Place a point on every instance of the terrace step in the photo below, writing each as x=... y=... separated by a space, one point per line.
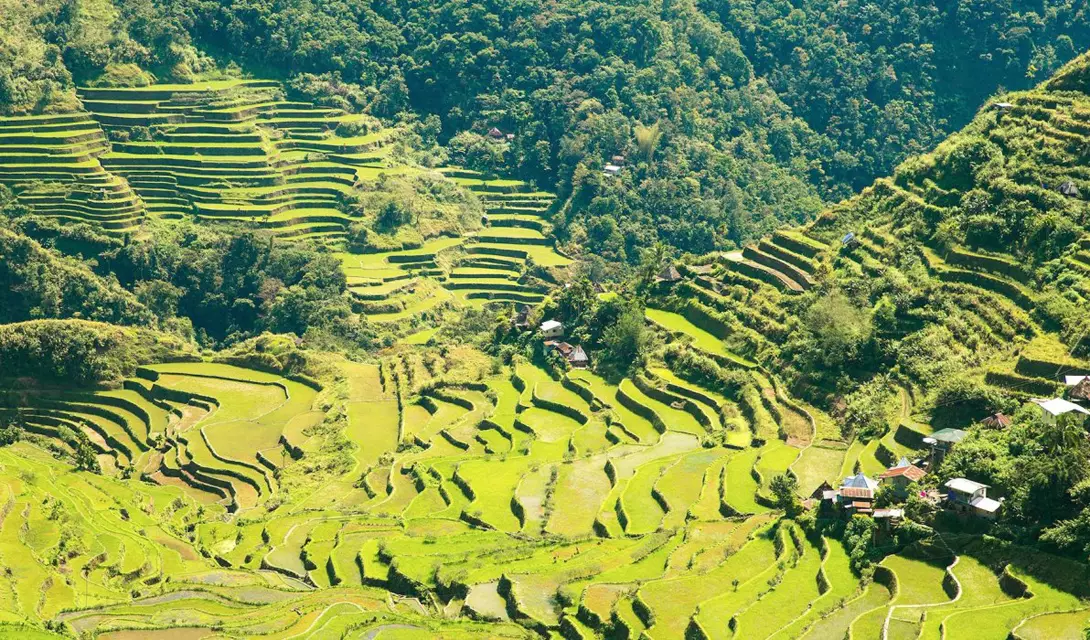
x=762 y=273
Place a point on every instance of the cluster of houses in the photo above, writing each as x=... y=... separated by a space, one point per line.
x=495 y=134
x=962 y=496
x=614 y=166
x=552 y=331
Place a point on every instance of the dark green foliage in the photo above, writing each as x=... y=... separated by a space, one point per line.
x=233 y=286
x=886 y=80
x=785 y=489
x=836 y=335
x=625 y=342
x=38 y=283
x=732 y=116
x=80 y=353
x=960 y=401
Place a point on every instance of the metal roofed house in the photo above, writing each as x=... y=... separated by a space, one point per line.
x=611 y=170
x=1053 y=409
x=856 y=494
x=942 y=441
x=971 y=498
x=899 y=476
x=1074 y=380
x=551 y=329
x=1002 y=106
x=859 y=481
x=996 y=421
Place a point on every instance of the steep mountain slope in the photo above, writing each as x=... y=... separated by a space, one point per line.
x=41 y=283
x=702 y=99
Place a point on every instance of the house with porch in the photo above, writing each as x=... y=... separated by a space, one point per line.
x=968 y=498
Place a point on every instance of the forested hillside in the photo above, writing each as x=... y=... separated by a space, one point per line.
x=740 y=115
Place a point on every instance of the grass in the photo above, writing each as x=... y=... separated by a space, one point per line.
x=580 y=488
x=674 y=601
x=677 y=323
x=1054 y=625
x=739 y=486
x=815 y=465
x=790 y=599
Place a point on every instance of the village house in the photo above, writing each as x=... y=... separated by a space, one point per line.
x=1053 y=409
x=578 y=358
x=617 y=160
x=856 y=494
x=496 y=134
x=551 y=329
x=574 y=354
x=521 y=319
x=966 y=497
x=996 y=421
x=900 y=476
x=941 y=442
x=668 y=275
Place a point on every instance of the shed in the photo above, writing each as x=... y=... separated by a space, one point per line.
x=1068 y=188
x=1080 y=392
x=521 y=320
x=578 y=358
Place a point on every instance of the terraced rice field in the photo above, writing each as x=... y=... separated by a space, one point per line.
x=387 y=501
x=238 y=152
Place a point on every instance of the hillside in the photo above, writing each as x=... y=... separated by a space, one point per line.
x=307 y=351
x=751 y=112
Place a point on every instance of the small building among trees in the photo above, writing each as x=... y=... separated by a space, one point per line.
x=900 y=476
x=551 y=329
x=521 y=319
x=1068 y=189
x=997 y=421
x=966 y=497
x=668 y=275
x=1055 y=408
x=1080 y=392
x=942 y=442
